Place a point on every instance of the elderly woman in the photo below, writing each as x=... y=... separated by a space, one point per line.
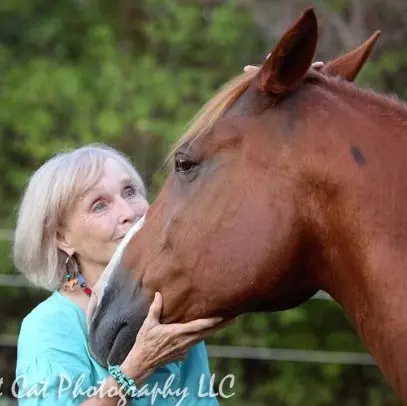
x=76 y=209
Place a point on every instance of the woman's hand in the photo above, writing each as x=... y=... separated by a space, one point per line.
x=250 y=68
x=157 y=344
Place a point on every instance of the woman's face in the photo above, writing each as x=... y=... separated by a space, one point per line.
x=103 y=216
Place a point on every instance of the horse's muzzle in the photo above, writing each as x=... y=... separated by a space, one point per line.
x=116 y=320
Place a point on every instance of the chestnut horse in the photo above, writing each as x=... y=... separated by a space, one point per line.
x=291 y=180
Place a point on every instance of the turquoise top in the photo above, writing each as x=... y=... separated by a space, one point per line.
x=55 y=367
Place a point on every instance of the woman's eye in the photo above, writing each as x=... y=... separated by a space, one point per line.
x=98 y=206
x=129 y=191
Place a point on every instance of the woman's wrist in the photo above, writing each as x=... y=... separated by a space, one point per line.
x=136 y=368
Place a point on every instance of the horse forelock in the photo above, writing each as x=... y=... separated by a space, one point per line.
x=204 y=121
x=214 y=109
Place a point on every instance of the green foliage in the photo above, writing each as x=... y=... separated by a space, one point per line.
x=316 y=325
x=387 y=73
x=70 y=78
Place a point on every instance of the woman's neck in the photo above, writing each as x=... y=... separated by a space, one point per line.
x=77 y=296
x=92 y=272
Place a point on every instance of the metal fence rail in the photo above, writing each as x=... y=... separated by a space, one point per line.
x=263 y=354
x=281 y=354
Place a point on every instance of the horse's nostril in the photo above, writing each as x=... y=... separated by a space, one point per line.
x=117 y=349
x=116 y=320
x=116 y=334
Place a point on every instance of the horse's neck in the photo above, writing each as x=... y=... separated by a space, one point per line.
x=375 y=126
x=375 y=298
x=374 y=292
x=380 y=134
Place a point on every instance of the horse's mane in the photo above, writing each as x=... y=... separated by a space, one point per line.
x=205 y=119
x=386 y=100
x=210 y=113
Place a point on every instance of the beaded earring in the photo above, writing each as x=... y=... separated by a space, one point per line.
x=71 y=275
x=84 y=285
x=74 y=277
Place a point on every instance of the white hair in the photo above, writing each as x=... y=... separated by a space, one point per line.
x=51 y=192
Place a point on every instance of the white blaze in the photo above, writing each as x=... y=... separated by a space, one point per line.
x=99 y=288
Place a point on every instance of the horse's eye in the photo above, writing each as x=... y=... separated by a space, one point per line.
x=184 y=165
x=185 y=168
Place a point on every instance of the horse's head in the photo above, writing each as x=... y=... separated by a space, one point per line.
x=241 y=221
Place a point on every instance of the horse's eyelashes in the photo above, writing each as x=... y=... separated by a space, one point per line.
x=185 y=167
x=183 y=163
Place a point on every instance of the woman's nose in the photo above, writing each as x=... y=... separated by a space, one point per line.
x=127 y=212
x=130 y=212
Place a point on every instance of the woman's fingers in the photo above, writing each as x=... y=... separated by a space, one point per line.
x=250 y=68
x=154 y=311
x=318 y=65
x=197 y=325
x=193 y=338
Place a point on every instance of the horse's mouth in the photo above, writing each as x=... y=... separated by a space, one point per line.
x=120 y=345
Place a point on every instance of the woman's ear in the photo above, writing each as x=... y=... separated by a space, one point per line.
x=63 y=242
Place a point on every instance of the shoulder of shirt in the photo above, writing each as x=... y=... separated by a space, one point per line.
x=53 y=337
x=55 y=319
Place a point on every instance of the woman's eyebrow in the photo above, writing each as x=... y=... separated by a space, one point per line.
x=126 y=181
x=90 y=195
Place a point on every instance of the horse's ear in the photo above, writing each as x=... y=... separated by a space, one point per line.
x=349 y=65
x=289 y=62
